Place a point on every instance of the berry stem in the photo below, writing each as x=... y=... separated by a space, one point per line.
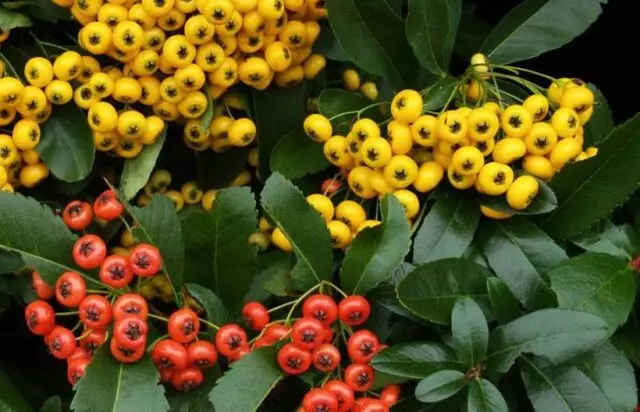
x=284 y=305
x=98 y=292
x=10 y=66
x=451 y=96
x=150 y=347
x=520 y=69
x=84 y=335
x=300 y=299
x=158 y=317
x=66 y=313
x=39 y=43
x=210 y=324
x=337 y=289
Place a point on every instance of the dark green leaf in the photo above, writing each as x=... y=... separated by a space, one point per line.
x=470 y=332
x=10 y=261
x=48 y=251
x=484 y=397
x=219 y=256
x=607 y=238
x=596 y=283
x=207 y=116
x=471 y=31
x=431 y=290
x=544 y=202
x=373 y=36
x=111 y=386
x=11 y=19
x=67 y=144
x=441 y=385
x=196 y=400
x=537 y=26
x=216 y=170
x=136 y=171
x=431 y=30
x=332 y=102
x=447 y=230
x=415 y=360
x=296 y=155
x=47 y=11
x=5 y=302
x=377 y=251
x=303 y=226
x=274 y=264
x=10 y=397
x=53 y=404
x=439 y=93
x=214 y=307
x=629 y=343
x=521 y=254
x=385 y=295
x=504 y=304
x=588 y=191
x=601 y=122
x=158 y=224
x=557 y=334
x=247 y=384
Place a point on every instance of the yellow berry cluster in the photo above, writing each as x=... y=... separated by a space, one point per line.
x=351 y=81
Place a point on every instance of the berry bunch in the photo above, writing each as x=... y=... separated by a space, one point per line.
x=351 y=81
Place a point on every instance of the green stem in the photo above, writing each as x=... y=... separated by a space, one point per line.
x=9 y=66
x=284 y=305
x=66 y=313
x=520 y=69
x=300 y=299
x=337 y=289
x=153 y=316
x=451 y=96
x=210 y=324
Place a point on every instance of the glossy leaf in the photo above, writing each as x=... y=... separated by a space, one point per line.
x=485 y=397
x=504 y=304
x=544 y=202
x=10 y=261
x=438 y=94
x=296 y=155
x=470 y=332
x=332 y=102
x=441 y=385
x=415 y=360
x=538 y=26
x=10 y=19
x=136 y=171
x=214 y=307
x=273 y=264
x=607 y=238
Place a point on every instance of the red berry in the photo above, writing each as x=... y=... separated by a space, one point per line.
x=326 y=357
x=293 y=360
x=354 y=310
x=125 y=354
x=256 y=315
x=183 y=325
x=169 y=354
x=185 y=380
x=261 y=342
x=79 y=353
x=201 y=354
x=40 y=317
x=328 y=334
x=131 y=332
x=343 y=393
x=89 y=251
x=130 y=304
x=76 y=369
x=359 y=377
x=322 y=308
x=70 y=289
x=230 y=339
x=145 y=260
x=165 y=375
x=43 y=290
x=371 y=405
x=236 y=356
x=107 y=206
x=276 y=332
x=93 y=340
x=77 y=215
x=61 y=342
x=362 y=346
x=95 y=312
x=389 y=395
x=330 y=186
x=115 y=271
x=320 y=400
x=307 y=333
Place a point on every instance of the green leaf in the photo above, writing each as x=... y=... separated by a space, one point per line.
x=415 y=360
x=111 y=386
x=544 y=202
x=10 y=262
x=538 y=26
x=48 y=251
x=158 y=224
x=431 y=31
x=557 y=334
x=136 y=171
x=377 y=251
x=438 y=94
x=67 y=145
x=485 y=397
x=296 y=155
x=595 y=283
x=588 y=191
x=561 y=388
x=11 y=19
x=249 y=381
x=11 y=399
x=303 y=226
x=218 y=254
x=196 y=400
x=277 y=112
x=373 y=36
x=441 y=385
x=217 y=170
x=333 y=102
x=470 y=332
x=447 y=230
x=207 y=116
x=521 y=254
x=601 y=122
x=53 y=404
x=214 y=307
x=274 y=264
x=629 y=343
x=504 y=304
x=607 y=238
x=431 y=290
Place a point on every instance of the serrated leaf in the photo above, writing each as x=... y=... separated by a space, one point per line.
x=557 y=334
x=48 y=251
x=440 y=385
x=538 y=26
x=111 y=386
x=601 y=122
x=216 y=170
x=11 y=19
x=249 y=381
x=136 y=171
x=377 y=251
x=196 y=400
x=439 y=93
x=415 y=360
x=67 y=145
x=505 y=305
x=595 y=283
x=588 y=191
x=431 y=290
x=158 y=224
x=214 y=307
x=431 y=31
x=53 y=404
x=303 y=226
x=520 y=254
x=296 y=155
x=485 y=397
x=607 y=238
x=447 y=230
x=470 y=332
x=373 y=36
